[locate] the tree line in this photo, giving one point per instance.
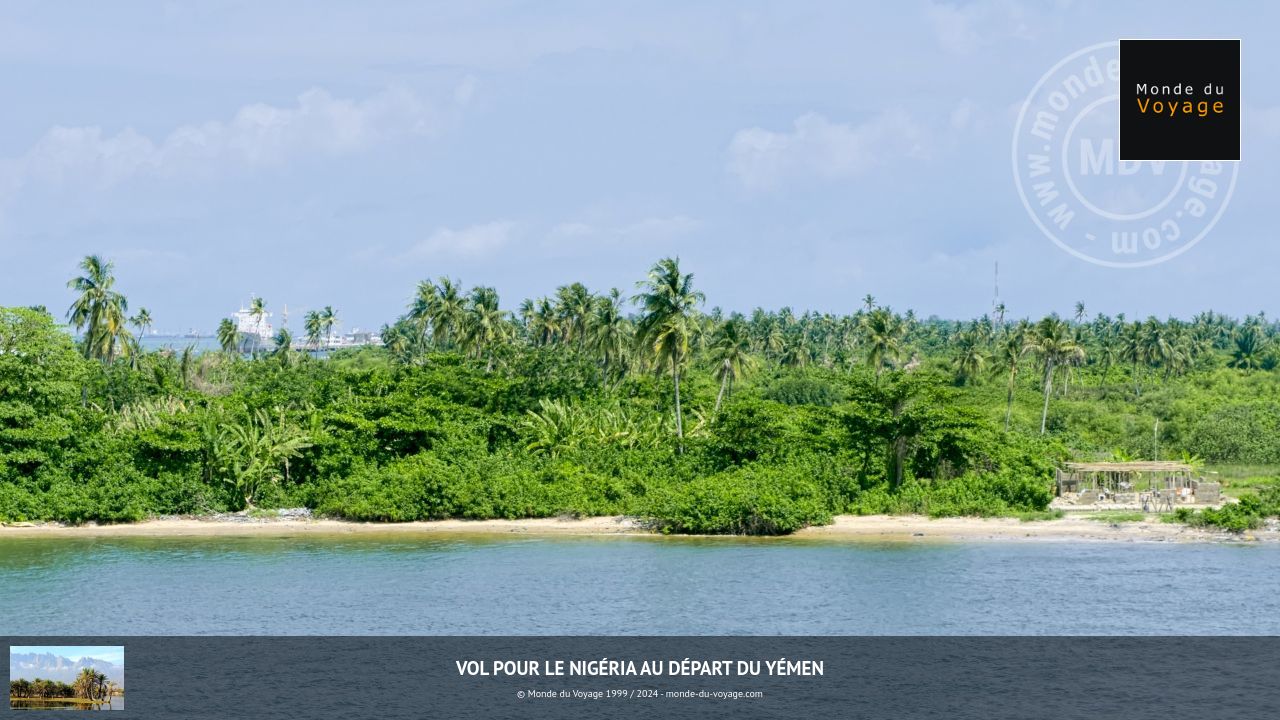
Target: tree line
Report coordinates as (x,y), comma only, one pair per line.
(643,402)
(88,685)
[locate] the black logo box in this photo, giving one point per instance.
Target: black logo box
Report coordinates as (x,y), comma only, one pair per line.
(1186,67)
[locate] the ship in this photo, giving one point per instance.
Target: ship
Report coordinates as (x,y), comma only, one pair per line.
(254,328)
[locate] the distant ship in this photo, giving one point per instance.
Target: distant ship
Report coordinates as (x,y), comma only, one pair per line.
(257,331)
(254,328)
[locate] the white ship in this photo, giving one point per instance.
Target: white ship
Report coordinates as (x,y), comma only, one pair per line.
(254,328)
(257,332)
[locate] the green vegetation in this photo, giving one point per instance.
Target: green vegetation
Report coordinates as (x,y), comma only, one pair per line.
(1248,514)
(90,686)
(588,403)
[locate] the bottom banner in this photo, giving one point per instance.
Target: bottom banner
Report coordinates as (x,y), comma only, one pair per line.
(635,677)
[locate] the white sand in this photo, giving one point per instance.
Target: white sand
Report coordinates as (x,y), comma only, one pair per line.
(911,528)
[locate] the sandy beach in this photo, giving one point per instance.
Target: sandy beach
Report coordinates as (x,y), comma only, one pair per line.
(872,528)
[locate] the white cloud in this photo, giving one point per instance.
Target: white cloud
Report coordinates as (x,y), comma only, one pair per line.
(817,147)
(257,135)
(476,241)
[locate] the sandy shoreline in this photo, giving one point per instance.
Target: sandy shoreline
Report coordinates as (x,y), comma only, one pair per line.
(873,528)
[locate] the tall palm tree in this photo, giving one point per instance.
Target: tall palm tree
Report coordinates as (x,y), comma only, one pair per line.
(485,324)
(1052,341)
(542,324)
(313,325)
(422,308)
(448,313)
(608,331)
(574,305)
(1011,350)
(731,356)
(229,336)
(1134,349)
(142,321)
(99,310)
(257,310)
(328,319)
(970,358)
(668,304)
(883,334)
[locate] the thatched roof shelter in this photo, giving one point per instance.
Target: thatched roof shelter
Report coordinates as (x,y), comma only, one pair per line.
(1140,466)
(1124,476)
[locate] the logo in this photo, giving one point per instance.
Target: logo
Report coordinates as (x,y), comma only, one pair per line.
(1180,100)
(1082,196)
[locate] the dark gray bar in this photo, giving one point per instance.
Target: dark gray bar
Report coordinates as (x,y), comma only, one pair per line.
(862,677)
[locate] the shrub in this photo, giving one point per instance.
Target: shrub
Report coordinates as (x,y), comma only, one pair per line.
(976,494)
(742,501)
(1248,514)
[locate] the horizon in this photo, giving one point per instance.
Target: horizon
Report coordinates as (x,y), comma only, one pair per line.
(1010,316)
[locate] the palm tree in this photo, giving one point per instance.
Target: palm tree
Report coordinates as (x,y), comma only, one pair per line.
(574,304)
(484,324)
(1251,348)
(228,336)
(1134,349)
(608,330)
(1052,341)
(730,353)
(283,350)
(422,308)
(668,304)
(313,325)
(258,311)
(142,321)
(883,333)
(328,319)
(99,310)
(970,359)
(448,312)
(1011,350)
(541,322)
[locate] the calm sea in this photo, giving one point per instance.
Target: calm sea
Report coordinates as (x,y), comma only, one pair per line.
(664,586)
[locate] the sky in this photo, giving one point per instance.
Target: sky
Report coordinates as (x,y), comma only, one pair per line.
(791,154)
(113,654)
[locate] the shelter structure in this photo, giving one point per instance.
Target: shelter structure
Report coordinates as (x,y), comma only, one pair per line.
(1161,484)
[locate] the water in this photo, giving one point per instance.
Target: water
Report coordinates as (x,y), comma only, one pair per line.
(630,585)
(178,344)
(117,703)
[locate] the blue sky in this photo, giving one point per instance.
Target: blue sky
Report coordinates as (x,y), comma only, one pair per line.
(111,653)
(800,154)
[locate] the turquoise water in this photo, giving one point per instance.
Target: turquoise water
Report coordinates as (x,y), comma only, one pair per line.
(663,586)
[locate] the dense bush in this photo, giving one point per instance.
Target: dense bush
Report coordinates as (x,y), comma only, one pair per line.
(742,501)
(806,423)
(1248,514)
